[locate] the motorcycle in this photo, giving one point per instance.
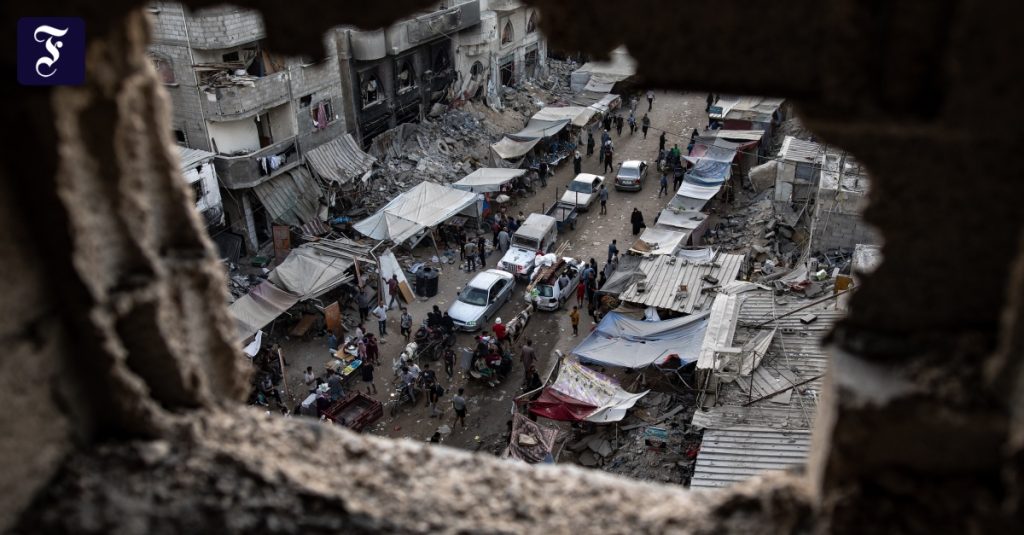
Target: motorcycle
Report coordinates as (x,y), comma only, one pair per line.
(479,370)
(398,398)
(433,340)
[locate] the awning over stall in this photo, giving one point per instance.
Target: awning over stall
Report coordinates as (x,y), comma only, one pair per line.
(488,179)
(658,241)
(579,393)
(292,198)
(426,205)
(622,341)
(577,115)
(259,307)
(309,274)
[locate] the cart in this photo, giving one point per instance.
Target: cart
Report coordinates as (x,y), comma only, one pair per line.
(564,214)
(355,412)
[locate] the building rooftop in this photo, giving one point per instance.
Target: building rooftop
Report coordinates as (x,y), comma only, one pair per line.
(660,279)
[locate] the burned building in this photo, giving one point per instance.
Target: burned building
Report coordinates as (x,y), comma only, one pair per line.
(394,75)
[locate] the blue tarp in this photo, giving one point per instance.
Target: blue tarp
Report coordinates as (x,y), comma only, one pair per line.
(713,167)
(622,341)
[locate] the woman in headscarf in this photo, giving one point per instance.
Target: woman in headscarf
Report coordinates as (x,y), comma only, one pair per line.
(577,163)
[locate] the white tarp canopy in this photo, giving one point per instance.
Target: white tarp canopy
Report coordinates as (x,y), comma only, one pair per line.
(262,305)
(508,148)
(424,206)
(656,240)
(693,197)
(488,179)
(577,115)
(622,341)
(684,219)
(308,274)
(583,384)
(601,74)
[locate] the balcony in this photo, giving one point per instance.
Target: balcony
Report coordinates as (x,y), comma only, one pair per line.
(248,170)
(441,23)
(240,101)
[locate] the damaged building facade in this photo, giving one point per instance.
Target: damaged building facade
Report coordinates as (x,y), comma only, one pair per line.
(503,50)
(256,111)
(394,75)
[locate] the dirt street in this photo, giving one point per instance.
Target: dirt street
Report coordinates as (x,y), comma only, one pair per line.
(490,408)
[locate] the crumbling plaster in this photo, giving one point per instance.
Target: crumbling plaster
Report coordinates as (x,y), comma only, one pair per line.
(115,335)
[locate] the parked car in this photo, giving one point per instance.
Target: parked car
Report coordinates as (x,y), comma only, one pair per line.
(582,191)
(481,298)
(537,234)
(631,176)
(549,290)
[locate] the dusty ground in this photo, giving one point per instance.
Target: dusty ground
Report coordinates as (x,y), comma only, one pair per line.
(490,408)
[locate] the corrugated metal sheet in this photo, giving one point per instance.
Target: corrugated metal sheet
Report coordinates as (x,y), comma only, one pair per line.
(190,157)
(292,198)
(732,455)
(798,150)
(665,274)
(340,160)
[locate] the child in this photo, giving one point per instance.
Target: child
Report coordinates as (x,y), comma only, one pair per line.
(575,317)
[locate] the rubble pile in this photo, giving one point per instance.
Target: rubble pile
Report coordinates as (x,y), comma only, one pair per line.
(559,73)
(653,443)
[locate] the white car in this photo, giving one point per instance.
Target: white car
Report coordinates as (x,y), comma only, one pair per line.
(481,299)
(582,191)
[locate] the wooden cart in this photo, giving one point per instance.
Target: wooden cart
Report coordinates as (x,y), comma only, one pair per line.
(355,412)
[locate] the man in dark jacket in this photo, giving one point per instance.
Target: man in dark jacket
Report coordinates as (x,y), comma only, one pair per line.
(645,123)
(577,163)
(590,144)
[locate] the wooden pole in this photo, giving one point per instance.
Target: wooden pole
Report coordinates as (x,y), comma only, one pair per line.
(284,375)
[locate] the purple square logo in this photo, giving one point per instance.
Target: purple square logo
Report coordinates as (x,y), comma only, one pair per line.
(51,51)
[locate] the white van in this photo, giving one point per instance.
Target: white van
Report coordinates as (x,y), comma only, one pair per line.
(537,234)
(552,287)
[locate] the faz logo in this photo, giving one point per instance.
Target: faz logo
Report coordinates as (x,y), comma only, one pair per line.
(51,51)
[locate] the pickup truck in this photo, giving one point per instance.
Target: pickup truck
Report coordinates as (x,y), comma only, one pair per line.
(537,234)
(548,290)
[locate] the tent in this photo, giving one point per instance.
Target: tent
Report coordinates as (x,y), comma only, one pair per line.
(259,307)
(488,179)
(693,197)
(424,206)
(577,115)
(622,341)
(579,393)
(518,144)
(655,240)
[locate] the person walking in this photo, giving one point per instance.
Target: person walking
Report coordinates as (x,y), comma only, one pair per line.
(459,404)
(471,255)
(650,99)
(601,151)
(664,185)
(542,172)
(608,157)
(619,121)
(632,122)
(637,219)
(574,317)
(613,250)
(645,123)
(677,179)
(577,163)
(590,144)
(366,370)
(381,313)
(405,324)
(503,239)
(481,251)
(602,195)
(527,355)
(372,349)
(661,141)
(332,343)
(581,289)
(363,302)
(393,290)
(449,362)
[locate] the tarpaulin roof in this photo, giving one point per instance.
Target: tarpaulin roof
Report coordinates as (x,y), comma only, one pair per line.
(292,198)
(259,307)
(655,240)
(620,65)
(692,197)
(340,160)
(577,115)
(308,274)
(598,101)
(622,277)
(508,148)
(425,205)
(556,406)
(713,166)
(519,143)
(488,179)
(684,219)
(590,387)
(622,341)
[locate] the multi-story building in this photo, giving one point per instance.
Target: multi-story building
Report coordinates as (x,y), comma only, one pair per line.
(256,111)
(503,50)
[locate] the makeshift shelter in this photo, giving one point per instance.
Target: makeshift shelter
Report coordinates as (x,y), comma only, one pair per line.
(622,341)
(516,145)
(578,116)
(262,305)
(677,284)
(693,197)
(581,394)
(488,179)
(424,206)
(658,241)
(308,274)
